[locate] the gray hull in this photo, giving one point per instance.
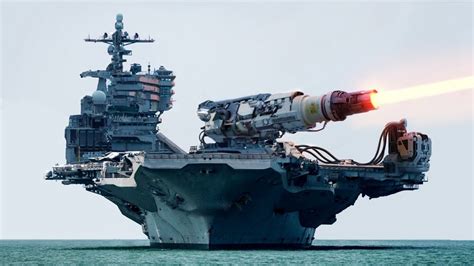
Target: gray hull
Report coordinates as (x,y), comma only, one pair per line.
(221,209)
(229,201)
(235,202)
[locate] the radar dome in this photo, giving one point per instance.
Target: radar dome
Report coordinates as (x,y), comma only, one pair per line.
(98,97)
(118,23)
(111,49)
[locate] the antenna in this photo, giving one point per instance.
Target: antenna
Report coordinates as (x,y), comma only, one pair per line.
(117,43)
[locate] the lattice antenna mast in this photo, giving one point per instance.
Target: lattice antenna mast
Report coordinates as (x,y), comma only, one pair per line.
(117,43)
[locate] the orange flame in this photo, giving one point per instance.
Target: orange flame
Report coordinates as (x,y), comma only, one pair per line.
(421,91)
(374,100)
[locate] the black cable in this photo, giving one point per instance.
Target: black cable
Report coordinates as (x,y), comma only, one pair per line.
(322,159)
(317,150)
(201,137)
(378,157)
(381,139)
(327,152)
(378,153)
(385,133)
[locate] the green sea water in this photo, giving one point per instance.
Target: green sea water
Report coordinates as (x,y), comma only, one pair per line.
(324,252)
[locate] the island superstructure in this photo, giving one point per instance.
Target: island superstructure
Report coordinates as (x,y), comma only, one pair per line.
(241,187)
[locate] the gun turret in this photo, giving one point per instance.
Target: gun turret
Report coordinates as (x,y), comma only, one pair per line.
(265,117)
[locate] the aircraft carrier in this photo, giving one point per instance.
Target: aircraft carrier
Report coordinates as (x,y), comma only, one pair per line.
(241,187)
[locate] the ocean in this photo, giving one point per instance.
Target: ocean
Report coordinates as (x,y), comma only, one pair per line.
(324,252)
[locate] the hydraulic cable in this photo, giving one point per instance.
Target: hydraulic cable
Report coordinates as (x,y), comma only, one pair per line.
(327,157)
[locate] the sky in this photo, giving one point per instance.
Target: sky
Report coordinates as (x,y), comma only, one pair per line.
(220,51)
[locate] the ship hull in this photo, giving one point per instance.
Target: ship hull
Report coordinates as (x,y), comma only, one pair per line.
(221,208)
(224,203)
(234,201)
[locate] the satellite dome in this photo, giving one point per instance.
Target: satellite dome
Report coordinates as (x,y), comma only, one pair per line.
(98,97)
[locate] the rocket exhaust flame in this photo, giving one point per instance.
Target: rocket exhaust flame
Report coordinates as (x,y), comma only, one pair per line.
(421,91)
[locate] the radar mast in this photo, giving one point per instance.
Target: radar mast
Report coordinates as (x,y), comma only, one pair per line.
(117,43)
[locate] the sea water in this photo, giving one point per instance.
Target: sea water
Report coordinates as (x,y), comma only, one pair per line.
(324,252)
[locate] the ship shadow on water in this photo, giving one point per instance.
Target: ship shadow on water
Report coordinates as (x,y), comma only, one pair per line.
(361,247)
(312,248)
